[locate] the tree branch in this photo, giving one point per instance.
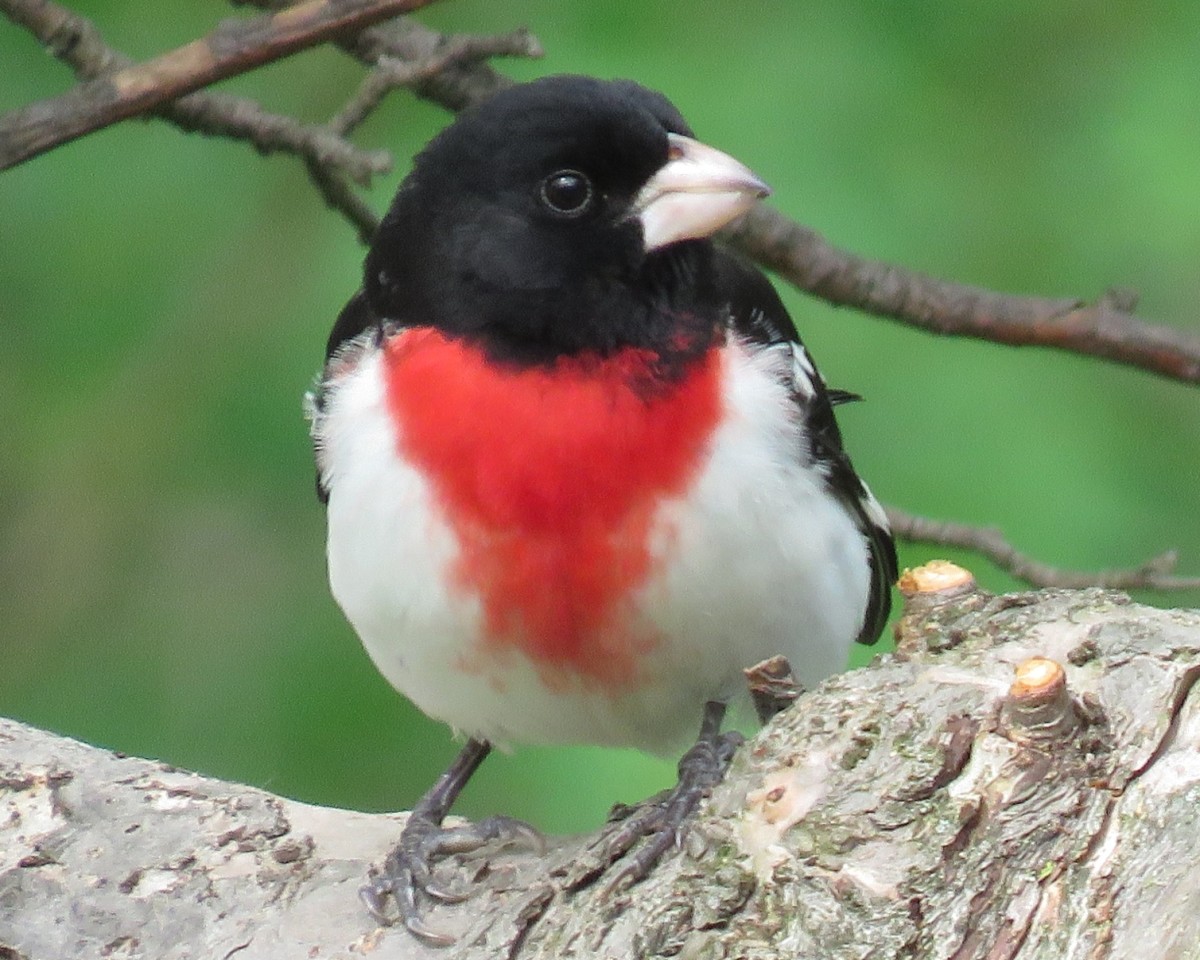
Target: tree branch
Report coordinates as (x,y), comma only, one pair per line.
(1154,574)
(236,46)
(449,71)
(76,41)
(1105,328)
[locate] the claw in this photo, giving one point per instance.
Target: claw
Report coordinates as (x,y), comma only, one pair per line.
(514,833)
(660,824)
(375,900)
(416,926)
(407,874)
(443,894)
(506,831)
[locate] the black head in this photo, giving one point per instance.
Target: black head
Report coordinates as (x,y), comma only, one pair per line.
(547,220)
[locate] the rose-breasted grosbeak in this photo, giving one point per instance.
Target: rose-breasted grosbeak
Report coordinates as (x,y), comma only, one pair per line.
(580,471)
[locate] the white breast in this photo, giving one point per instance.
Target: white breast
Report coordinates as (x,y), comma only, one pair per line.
(756,560)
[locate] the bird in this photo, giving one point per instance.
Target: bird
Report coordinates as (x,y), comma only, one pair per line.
(579,469)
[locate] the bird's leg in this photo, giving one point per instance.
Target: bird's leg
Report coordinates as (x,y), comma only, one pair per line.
(661,822)
(407,871)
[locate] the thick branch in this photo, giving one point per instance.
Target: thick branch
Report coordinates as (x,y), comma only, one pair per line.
(236,46)
(1019,781)
(1105,328)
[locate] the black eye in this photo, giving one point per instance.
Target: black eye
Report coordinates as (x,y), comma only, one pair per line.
(568,192)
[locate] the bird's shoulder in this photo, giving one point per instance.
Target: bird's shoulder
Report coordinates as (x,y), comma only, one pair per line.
(356,317)
(759,318)
(345,347)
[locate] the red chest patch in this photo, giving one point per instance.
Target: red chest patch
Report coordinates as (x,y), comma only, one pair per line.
(550,477)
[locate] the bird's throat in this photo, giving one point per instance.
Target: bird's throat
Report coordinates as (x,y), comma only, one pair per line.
(552,478)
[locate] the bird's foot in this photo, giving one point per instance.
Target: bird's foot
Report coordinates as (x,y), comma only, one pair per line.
(407,874)
(659,824)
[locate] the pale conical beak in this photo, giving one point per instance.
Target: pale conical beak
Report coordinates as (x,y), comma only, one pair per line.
(694,194)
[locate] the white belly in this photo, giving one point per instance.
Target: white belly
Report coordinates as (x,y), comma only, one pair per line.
(755,560)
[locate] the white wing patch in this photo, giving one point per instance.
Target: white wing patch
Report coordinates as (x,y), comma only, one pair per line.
(872,507)
(803,371)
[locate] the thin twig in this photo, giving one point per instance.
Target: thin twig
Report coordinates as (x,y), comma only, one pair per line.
(389,73)
(1106,328)
(66,35)
(392,72)
(339,196)
(450,71)
(458,86)
(1154,574)
(239,118)
(236,46)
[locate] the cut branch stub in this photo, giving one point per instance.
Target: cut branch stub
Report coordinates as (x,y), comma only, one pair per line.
(1038,706)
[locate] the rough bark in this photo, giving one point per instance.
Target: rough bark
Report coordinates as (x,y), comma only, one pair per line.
(926,807)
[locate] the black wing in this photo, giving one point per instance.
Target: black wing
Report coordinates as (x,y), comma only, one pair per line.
(758,315)
(356,316)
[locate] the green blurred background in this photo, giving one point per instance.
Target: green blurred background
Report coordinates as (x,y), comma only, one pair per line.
(165,299)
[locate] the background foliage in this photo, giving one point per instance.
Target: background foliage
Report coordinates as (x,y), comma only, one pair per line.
(165,300)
